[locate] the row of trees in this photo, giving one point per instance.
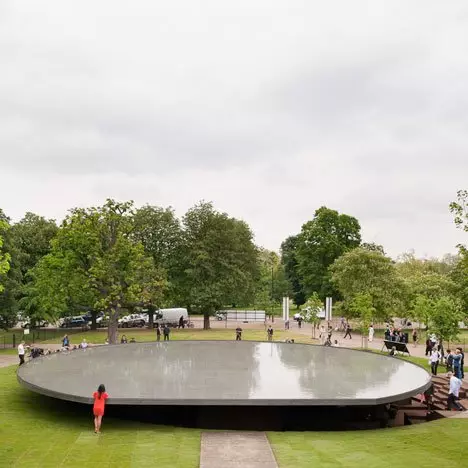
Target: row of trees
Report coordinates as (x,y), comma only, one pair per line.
(119,257)
(328,258)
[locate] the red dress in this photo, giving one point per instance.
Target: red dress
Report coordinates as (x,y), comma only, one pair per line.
(99,403)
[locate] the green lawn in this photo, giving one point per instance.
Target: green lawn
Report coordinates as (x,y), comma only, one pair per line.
(36,431)
(436,444)
(99,336)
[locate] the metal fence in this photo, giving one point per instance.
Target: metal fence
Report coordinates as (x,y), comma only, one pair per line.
(12,338)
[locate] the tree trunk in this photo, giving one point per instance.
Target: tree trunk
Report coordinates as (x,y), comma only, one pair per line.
(112,329)
(206,321)
(93,319)
(151,318)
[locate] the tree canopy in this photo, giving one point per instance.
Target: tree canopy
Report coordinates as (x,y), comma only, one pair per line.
(96,263)
(362,271)
(322,240)
(217,260)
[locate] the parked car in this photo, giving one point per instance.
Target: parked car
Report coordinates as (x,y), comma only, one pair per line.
(74,322)
(221,315)
(38,323)
(131,321)
(298,316)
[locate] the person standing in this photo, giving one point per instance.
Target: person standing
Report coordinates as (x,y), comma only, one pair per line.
(454,391)
(21,353)
(462,363)
(286,325)
(434,361)
(158,332)
(100,398)
(371,333)
(181,322)
(415,337)
(299,322)
(238,334)
(166,332)
(270,333)
(348,331)
(428,347)
(457,359)
(65,342)
(449,361)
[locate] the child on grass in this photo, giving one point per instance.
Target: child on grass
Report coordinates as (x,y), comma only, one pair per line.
(100,398)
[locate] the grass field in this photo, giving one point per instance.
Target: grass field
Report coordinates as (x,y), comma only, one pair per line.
(141,335)
(38,432)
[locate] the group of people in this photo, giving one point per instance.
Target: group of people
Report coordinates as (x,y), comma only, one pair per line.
(396,335)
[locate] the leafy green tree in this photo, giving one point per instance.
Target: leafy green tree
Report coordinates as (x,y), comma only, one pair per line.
(95,260)
(459,209)
(445,315)
(425,277)
(312,308)
(32,236)
(4,257)
(459,276)
(11,279)
(291,269)
(361,306)
(421,309)
(272,284)
(362,271)
(217,261)
(321,241)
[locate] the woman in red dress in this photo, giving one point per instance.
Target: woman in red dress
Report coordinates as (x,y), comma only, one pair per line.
(100,398)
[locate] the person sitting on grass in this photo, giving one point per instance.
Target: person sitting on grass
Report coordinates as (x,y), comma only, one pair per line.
(392,351)
(123,340)
(84,344)
(100,398)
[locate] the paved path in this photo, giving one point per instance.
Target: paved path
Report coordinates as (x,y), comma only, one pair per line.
(8,360)
(236,450)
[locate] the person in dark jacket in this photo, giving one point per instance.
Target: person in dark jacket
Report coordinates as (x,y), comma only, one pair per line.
(166,332)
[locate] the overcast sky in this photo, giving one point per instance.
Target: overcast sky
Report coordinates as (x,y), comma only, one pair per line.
(268,108)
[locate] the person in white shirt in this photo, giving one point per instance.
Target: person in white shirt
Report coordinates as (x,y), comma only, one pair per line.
(434,361)
(371,333)
(21,353)
(454,392)
(84,344)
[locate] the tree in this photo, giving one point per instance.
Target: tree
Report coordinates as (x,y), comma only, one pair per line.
(321,241)
(96,263)
(11,279)
(445,315)
(217,261)
(361,305)
(313,306)
(290,264)
(272,284)
(32,236)
(160,233)
(425,277)
(459,209)
(369,272)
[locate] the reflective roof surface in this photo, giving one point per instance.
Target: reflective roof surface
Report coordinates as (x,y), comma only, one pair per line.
(224,373)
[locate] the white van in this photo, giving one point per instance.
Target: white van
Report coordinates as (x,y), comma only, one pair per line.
(171,316)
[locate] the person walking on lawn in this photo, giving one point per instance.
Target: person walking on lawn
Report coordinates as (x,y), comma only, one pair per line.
(21,353)
(166,332)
